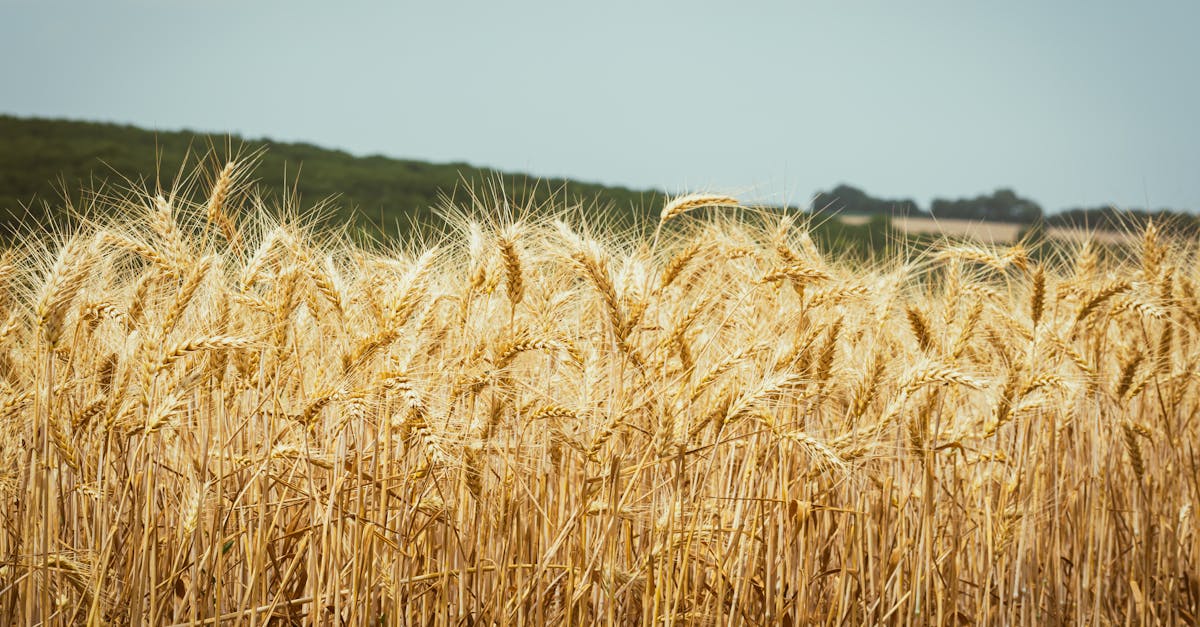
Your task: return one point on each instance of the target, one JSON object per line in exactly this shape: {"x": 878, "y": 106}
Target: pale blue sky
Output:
{"x": 1069, "y": 103}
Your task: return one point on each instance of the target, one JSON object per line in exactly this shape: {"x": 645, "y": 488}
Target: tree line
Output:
{"x": 1002, "y": 205}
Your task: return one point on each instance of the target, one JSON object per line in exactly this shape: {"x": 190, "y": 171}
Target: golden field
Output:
{"x": 212, "y": 415}
{"x": 992, "y": 232}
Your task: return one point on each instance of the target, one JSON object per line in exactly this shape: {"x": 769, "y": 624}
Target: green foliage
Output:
{"x": 43, "y": 160}
{"x": 1113, "y": 219}
{"x": 1003, "y": 205}
{"x": 845, "y": 199}
{"x": 860, "y": 242}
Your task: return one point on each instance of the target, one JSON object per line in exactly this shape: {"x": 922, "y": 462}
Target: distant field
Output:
{"x": 995, "y": 232}
{"x": 1079, "y": 235}
{"x": 985, "y": 231}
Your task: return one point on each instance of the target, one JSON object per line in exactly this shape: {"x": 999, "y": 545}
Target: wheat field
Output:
{"x": 210, "y": 413}
{"x": 996, "y": 232}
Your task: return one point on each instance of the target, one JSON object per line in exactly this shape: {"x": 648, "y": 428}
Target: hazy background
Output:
{"x": 1069, "y": 103}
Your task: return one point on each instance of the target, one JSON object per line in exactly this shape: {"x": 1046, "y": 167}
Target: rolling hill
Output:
{"x": 43, "y": 159}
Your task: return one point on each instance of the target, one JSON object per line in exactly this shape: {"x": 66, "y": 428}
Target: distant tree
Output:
{"x": 1003, "y": 205}
{"x": 851, "y": 200}
{"x": 1109, "y": 218}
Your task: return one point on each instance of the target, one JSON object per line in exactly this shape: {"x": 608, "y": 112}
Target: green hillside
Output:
{"x": 40, "y": 159}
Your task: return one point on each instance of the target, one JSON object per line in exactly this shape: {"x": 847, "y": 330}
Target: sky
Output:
{"x": 1068, "y": 103}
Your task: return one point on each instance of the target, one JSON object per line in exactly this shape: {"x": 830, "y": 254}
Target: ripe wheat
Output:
{"x": 208, "y": 414}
